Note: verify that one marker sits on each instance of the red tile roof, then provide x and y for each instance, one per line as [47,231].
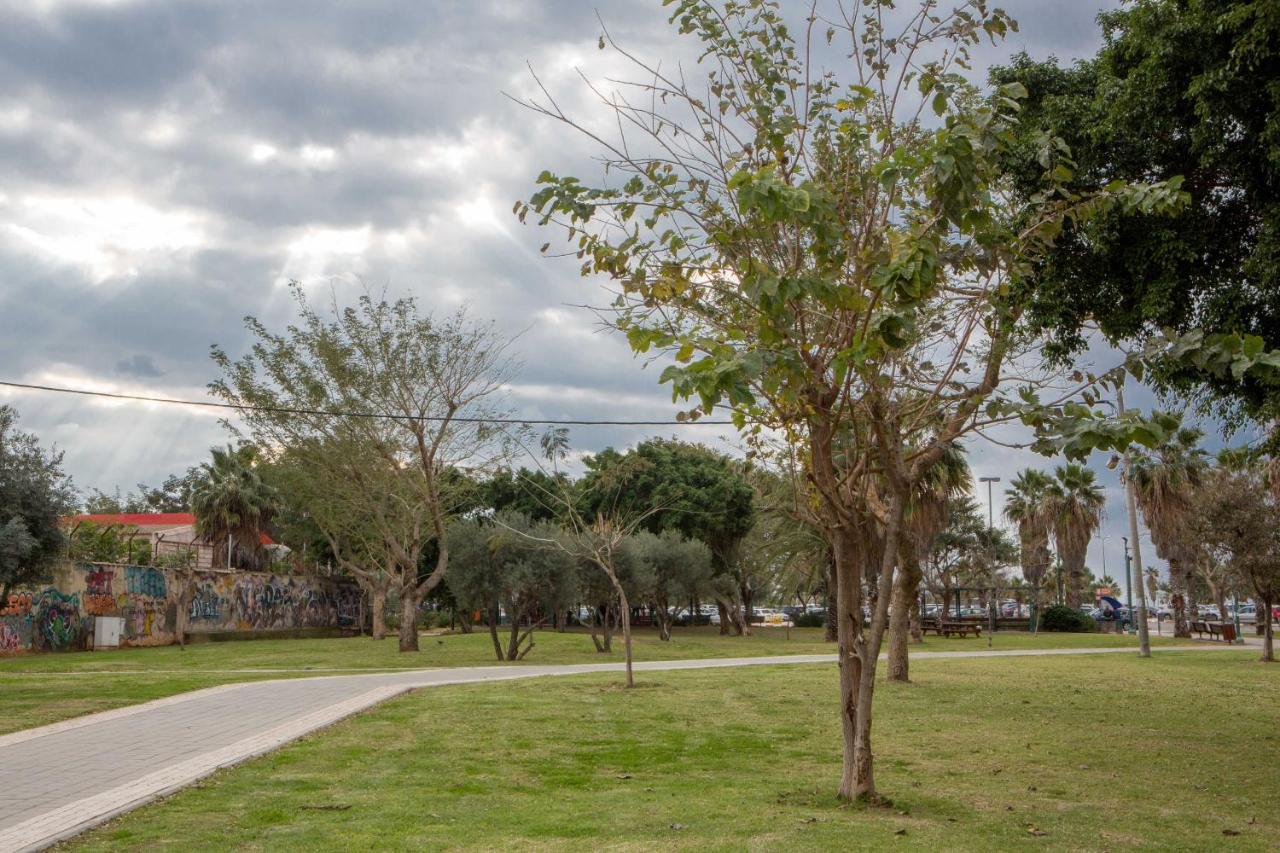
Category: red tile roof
[148,519]
[139,519]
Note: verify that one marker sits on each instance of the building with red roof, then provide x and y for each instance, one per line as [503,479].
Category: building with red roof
[168,532]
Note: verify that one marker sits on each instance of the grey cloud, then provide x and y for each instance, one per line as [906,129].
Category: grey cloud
[380,82]
[139,366]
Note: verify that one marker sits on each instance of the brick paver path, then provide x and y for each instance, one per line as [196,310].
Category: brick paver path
[61,779]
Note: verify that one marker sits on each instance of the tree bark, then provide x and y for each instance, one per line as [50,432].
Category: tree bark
[408,619]
[724,618]
[833,607]
[1268,651]
[864,779]
[1178,582]
[748,604]
[905,589]
[378,606]
[849,622]
[492,618]
[917,626]
[1075,586]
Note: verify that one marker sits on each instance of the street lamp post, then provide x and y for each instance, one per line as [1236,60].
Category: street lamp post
[1128,585]
[991,550]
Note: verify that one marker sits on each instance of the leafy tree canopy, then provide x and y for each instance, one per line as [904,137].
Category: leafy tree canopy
[1180,88]
[698,492]
[34,495]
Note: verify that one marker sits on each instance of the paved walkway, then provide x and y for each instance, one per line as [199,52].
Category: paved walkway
[61,779]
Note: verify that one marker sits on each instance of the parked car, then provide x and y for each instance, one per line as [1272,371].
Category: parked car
[1247,612]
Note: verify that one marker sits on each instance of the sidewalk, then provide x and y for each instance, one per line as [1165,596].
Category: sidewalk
[64,778]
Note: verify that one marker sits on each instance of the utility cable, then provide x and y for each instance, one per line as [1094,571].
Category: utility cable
[332,414]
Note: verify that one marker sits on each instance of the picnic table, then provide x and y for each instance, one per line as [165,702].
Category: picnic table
[952,629]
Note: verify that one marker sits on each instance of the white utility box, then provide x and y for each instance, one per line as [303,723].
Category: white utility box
[106,632]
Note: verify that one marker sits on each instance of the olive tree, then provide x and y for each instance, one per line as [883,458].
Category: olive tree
[836,257]
[505,567]
[672,569]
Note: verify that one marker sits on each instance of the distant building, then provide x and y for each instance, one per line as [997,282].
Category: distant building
[167,532]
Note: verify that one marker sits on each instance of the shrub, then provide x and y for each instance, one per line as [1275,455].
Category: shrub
[810,620]
[1059,617]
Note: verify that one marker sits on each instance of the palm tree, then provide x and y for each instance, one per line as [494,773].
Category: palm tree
[1026,505]
[925,519]
[1075,503]
[1164,481]
[233,506]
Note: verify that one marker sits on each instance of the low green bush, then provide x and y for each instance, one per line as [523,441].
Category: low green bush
[810,620]
[1059,617]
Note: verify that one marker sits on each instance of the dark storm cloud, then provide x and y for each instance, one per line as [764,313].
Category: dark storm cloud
[166,167]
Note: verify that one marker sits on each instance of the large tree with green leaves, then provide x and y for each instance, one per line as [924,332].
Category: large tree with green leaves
[1238,519]
[822,259]
[1179,87]
[697,492]
[34,495]
[386,380]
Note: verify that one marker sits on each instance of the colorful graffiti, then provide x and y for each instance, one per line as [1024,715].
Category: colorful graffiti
[141,580]
[15,633]
[56,620]
[206,603]
[18,604]
[145,620]
[347,602]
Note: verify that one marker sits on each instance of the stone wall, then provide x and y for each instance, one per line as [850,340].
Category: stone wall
[57,617]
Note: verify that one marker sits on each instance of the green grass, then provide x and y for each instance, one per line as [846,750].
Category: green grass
[40,689]
[1095,752]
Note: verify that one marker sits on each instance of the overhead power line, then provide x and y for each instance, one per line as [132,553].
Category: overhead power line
[84,392]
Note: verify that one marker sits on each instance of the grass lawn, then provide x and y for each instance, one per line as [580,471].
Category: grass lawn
[1061,753]
[40,689]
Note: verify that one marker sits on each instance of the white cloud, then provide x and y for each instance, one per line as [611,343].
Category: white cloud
[106,236]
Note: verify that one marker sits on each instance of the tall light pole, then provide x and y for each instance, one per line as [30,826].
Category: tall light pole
[1128,583]
[991,550]
[1131,504]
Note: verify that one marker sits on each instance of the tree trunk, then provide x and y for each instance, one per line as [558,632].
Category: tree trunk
[408,620]
[464,621]
[833,606]
[1178,582]
[724,618]
[849,632]
[905,589]
[864,782]
[624,610]
[1268,652]
[748,604]
[1075,585]
[917,626]
[378,606]
[492,618]
[662,616]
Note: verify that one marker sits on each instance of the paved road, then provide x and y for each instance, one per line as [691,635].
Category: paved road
[61,779]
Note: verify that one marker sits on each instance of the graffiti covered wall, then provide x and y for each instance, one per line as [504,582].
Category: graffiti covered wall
[56,618]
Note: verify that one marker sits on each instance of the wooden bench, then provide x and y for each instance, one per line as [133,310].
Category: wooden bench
[1215,630]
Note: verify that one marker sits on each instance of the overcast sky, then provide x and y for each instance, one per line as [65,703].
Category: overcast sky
[166,167]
